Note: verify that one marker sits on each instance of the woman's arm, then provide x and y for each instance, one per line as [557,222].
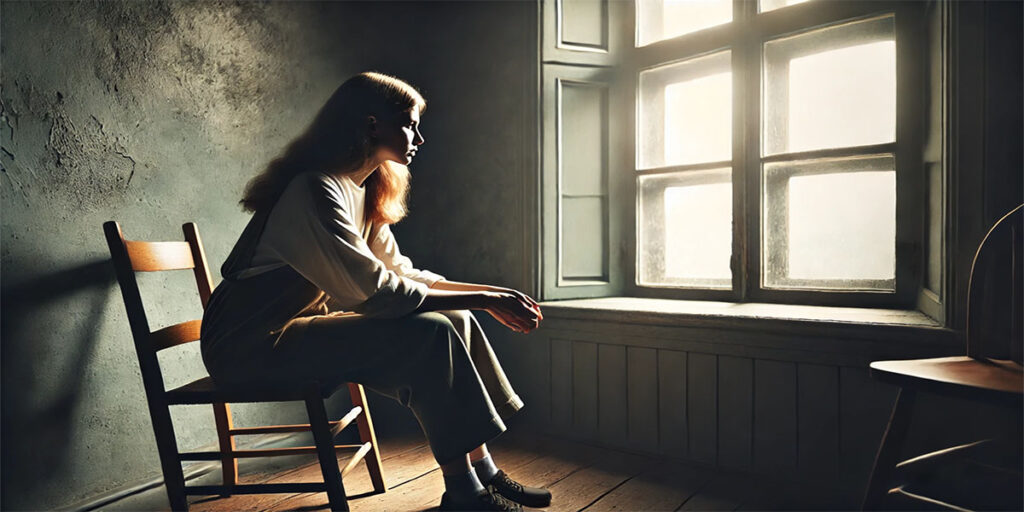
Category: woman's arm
[473,287]
[507,308]
[514,309]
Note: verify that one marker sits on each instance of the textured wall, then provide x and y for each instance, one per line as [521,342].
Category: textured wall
[155,114]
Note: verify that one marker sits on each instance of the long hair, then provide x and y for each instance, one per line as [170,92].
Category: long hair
[337,142]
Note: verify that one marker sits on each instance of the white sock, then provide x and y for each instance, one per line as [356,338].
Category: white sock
[485,468]
[463,487]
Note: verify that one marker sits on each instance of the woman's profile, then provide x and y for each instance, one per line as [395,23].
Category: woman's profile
[320,232]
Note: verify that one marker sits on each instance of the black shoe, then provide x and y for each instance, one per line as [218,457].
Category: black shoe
[486,500]
[517,492]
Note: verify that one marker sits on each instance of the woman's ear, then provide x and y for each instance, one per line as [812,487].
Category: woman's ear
[371,124]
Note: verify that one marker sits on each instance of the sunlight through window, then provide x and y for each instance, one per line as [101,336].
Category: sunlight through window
[771,5]
[698,120]
[686,228]
[698,228]
[844,97]
[664,19]
[834,233]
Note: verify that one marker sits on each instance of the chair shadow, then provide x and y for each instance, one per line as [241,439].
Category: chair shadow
[33,425]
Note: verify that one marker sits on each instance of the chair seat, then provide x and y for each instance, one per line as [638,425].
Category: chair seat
[992,379]
[205,391]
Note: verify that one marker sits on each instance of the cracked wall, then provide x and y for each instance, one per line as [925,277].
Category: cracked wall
[157,113]
[152,114]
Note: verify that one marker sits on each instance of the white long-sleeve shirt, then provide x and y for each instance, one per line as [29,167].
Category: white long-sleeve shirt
[318,228]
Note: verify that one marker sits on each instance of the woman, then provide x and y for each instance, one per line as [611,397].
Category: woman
[320,231]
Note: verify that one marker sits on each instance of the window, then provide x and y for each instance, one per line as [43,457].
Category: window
[736,150]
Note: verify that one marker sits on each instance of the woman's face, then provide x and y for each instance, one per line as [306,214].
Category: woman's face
[398,137]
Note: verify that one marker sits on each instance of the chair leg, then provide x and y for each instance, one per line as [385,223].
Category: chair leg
[367,434]
[229,465]
[320,426]
[170,461]
[889,450]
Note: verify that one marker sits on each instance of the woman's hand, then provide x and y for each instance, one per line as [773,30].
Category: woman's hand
[513,309]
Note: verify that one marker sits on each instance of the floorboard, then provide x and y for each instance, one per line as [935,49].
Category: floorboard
[581,477]
[661,488]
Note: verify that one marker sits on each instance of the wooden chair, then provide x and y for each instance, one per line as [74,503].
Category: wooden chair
[130,256]
[991,372]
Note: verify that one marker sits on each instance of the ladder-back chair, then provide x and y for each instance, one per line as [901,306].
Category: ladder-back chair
[131,256]
[990,372]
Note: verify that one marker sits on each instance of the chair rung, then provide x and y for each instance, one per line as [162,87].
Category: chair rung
[363,450]
[336,426]
[274,452]
[345,420]
[275,429]
[940,454]
[925,499]
[207,490]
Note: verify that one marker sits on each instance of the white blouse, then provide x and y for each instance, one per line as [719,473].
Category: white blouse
[318,228]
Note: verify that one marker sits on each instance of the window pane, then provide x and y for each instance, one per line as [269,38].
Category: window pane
[771,5]
[830,224]
[686,113]
[831,88]
[685,222]
[664,19]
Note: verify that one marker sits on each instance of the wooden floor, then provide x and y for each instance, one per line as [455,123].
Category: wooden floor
[580,477]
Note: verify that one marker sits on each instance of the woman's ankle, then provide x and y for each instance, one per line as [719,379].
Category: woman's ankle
[456,466]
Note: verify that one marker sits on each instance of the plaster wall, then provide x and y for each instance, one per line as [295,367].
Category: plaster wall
[157,113]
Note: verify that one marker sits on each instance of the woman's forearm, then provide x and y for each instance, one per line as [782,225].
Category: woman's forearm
[457,286]
[445,299]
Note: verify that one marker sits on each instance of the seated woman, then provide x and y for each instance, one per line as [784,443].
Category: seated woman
[320,231]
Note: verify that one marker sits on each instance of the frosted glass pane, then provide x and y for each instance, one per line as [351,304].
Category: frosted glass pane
[771,5]
[698,229]
[834,233]
[838,97]
[664,19]
[698,120]
[831,224]
[686,113]
[583,240]
[583,22]
[686,229]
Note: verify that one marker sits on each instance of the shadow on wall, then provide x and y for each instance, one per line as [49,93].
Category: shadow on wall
[37,429]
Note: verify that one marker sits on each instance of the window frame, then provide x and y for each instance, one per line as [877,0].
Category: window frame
[744,37]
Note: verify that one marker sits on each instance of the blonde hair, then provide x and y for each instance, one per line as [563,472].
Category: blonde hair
[337,141]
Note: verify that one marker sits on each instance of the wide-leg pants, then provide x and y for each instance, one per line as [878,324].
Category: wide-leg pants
[438,364]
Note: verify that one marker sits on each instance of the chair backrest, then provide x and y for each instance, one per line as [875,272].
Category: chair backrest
[995,294]
[131,256]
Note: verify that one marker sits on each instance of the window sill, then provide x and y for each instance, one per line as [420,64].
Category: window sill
[911,327]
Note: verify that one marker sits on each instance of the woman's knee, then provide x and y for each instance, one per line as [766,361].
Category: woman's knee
[432,324]
[461,318]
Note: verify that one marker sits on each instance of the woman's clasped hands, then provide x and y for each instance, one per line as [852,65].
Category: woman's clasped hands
[514,309]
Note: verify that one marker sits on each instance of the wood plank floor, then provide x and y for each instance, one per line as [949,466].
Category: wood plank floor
[580,477]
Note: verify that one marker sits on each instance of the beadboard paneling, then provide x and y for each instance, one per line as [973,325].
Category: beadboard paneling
[740,407]
[818,421]
[735,411]
[642,373]
[561,384]
[612,420]
[775,416]
[702,406]
[672,424]
[584,388]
